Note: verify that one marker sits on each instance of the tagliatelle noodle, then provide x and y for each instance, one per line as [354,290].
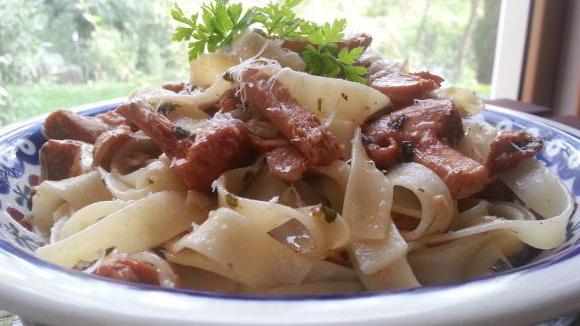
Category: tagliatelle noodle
[89,215]
[268,215]
[380,250]
[156,176]
[78,192]
[463,258]
[535,186]
[140,226]
[259,260]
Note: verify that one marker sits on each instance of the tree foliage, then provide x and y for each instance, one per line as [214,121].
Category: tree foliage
[21,42]
[84,40]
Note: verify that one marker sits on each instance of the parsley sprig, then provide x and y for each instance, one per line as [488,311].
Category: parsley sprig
[323,57]
[220,23]
[279,19]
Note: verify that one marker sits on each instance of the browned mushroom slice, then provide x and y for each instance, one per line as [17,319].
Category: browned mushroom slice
[511,147]
[286,163]
[462,175]
[403,88]
[384,154]
[123,150]
[265,145]
[298,45]
[175,87]
[230,101]
[423,122]
[225,146]
[156,126]
[112,118]
[63,159]
[64,124]
[363,40]
[427,133]
[128,271]
[300,126]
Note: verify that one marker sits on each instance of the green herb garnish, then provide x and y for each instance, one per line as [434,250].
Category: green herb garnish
[231,200]
[279,19]
[325,212]
[220,23]
[323,57]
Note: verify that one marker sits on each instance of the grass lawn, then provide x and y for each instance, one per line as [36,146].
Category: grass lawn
[29,101]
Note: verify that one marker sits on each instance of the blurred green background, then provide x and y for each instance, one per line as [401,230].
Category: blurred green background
[62,53]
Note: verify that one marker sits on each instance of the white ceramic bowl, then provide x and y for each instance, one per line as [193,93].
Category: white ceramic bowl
[545,288]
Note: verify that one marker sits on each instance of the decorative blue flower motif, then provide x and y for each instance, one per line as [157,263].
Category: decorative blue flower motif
[22,239]
[23,196]
[16,150]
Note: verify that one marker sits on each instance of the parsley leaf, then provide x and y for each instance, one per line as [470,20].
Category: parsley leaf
[349,57]
[220,24]
[328,33]
[323,57]
[279,19]
[355,73]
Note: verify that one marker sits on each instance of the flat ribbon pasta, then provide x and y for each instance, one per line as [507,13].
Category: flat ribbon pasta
[140,226]
[268,215]
[78,192]
[436,205]
[539,189]
[377,248]
[258,260]
[89,215]
[368,197]
[189,105]
[464,258]
[156,176]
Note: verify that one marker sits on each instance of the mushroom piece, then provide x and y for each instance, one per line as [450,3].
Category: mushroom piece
[64,124]
[128,270]
[287,163]
[63,159]
[299,125]
[427,133]
[403,88]
[225,145]
[124,151]
[509,148]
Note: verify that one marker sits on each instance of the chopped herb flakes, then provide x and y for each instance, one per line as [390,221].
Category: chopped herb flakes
[159,252]
[166,108]
[232,200]
[398,123]
[407,151]
[325,212]
[180,133]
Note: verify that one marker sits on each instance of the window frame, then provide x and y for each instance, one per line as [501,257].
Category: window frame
[510,49]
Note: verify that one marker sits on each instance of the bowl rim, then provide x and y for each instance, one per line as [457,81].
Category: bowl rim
[12,293]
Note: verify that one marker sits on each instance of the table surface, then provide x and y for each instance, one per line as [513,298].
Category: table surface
[6,319]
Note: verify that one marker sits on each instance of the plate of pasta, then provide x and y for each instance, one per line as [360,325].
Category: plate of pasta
[298,177]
